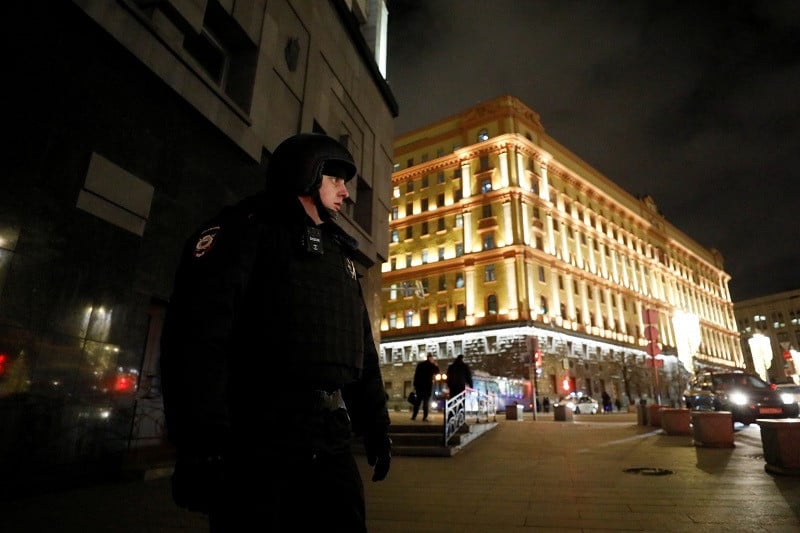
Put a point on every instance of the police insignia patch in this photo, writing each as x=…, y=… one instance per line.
x=206, y=241
x=351, y=268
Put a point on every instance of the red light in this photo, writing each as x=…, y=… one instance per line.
x=124, y=383
x=565, y=384
x=3, y=363
x=787, y=355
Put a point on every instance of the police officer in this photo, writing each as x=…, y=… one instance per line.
x=268, y=361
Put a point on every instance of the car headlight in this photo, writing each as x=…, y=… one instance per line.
x=787, y=397
x=738, y=398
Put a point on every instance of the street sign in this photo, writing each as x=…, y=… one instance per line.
x=649, y=316
x=651, y=333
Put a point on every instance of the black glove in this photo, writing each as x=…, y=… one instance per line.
x=379, y=454
x=198, y=482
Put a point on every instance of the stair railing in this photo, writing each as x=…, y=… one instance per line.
x=467, y=403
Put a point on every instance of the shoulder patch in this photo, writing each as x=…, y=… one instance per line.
x=206, y=241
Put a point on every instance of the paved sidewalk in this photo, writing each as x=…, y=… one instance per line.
x=522, y=476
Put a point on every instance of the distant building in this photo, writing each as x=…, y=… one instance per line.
x=770, y=329
x=502, y=241
x=132, y=122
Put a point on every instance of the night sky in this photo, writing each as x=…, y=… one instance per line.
x=695, y=103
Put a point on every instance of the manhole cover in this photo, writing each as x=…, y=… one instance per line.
x=648, y=471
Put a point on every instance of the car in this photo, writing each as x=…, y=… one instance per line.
x=746, y=396
x=579, y=404
x=789, y=391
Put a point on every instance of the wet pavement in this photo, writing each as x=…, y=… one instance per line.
x=595, y=473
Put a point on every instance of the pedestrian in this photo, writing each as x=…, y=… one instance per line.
x=267, y=311
x=423, y=384
x=606, y=402
x=459, y=376
x=546, y=404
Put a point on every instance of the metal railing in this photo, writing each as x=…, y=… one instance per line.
x=469, y=403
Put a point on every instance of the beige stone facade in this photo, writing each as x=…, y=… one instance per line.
x=501, y=238
x=771, y=322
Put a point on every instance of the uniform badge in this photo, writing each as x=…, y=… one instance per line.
x=351, y=268
x=206, y=241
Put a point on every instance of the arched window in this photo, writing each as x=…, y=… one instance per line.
x=491, y=304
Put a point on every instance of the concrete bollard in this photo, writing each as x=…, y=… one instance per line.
x=712, y=429
x=675, y=421
x=780, y=440
x=654, y=415
x=562, y=413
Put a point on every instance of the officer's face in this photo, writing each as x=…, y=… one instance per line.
x=332, y=192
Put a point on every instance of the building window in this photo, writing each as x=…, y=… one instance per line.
x=483, y=135
x=393, y=291
x=440, y=224
x=459, y=220
x=407, y=288
x=459, y=280
x=560, y=282
x=409, y=162
x=393, y=263
x=488, y=241
x=459, y=249
x=424, y=257
x=410, y=232
x=394, y=213
x=408, y=318
x=440, y=200
x=424, y=228
x=392, y=320
x=423, y=316
x=441, y=253
x=457, y=195
x=563, y=311
x=543, y=305
x=484, y=162
x=458, y=348
x=395, y=236
x=542, y=277
x=424, y=181
x=457, y=173
x=408, y=260
x=409, y=209
x=461, y=312
x=489, y=274
x=423, y=205
x=491, y=304
x=442, y=282
x=440, y=177
x=441, y=314
x=486, y=211
x=486, y=185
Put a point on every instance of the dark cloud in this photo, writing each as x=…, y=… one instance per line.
x=694, y=103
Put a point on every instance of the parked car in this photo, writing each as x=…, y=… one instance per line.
x=579, y=404
x=790, y=392
x=746, y=396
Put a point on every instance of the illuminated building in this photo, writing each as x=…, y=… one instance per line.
x=770, y=329
x=499, y=235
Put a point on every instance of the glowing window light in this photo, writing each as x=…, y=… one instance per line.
x=762, y=354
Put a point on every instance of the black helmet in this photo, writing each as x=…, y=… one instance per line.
x=297, y=164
